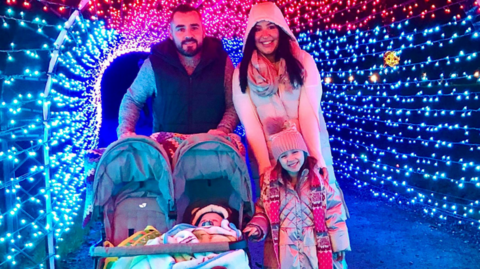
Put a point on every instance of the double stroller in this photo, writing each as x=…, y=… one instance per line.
x=138, y=182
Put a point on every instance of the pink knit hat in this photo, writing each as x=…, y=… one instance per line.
x=288, y=138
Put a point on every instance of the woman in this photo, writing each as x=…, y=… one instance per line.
x=278, y=79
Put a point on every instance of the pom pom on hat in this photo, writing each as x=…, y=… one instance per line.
x=275, y=125
x=284, y=137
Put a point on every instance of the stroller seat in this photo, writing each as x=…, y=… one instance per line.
x=133, y=188
x=133, y=215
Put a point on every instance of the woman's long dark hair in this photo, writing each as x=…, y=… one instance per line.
x=284, y=50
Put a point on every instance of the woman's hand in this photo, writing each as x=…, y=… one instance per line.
x=252, y=231
x=324, y=172
x=339, y=256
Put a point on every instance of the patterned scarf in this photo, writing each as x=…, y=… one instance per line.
x=264, y=79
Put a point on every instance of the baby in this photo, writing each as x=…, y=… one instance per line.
x=210, y=215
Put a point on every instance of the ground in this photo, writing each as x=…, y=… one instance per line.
x=382, y=235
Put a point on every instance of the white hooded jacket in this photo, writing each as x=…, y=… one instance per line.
x=301, y=106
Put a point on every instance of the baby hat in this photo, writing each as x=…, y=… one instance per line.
x=198, y=212
x=284, y=137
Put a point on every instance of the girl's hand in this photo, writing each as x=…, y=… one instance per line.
x=324, y=173
x=252, y=231
x=339, y=256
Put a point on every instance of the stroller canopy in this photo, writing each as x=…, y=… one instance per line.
x=210, y=169
x=134, y=166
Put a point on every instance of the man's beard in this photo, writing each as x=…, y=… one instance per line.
x=191, y=52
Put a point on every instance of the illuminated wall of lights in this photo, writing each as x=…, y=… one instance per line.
x=405, y=132
x=74, y=125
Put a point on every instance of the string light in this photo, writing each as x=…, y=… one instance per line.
x=23, y=21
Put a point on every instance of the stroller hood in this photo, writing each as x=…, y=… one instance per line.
x=210, y=168
x=134, y=166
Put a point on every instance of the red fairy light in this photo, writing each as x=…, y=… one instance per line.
x=228, y=19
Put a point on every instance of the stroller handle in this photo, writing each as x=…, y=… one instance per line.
x=167, y=249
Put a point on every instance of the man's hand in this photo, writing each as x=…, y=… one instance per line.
x=127, y=134
x=339, y=256
x=219, y=131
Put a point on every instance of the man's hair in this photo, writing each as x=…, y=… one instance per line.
x=184, y=9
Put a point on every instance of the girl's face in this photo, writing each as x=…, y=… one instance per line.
x=266, y=38
x=292, y=161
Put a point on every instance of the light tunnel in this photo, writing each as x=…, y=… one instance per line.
x=401, y=86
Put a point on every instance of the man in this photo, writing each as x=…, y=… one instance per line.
x=189, y=77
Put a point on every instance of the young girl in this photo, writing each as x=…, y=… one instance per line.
x=298, y=213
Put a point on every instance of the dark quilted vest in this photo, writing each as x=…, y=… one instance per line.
x=188, y=104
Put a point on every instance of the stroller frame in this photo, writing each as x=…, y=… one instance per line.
x=97, y=251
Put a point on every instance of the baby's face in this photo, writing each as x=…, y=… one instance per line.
x=210, y=219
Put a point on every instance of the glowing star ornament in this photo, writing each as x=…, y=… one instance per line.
x=391, y=59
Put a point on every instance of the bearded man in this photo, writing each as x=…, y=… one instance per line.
x=189, y=77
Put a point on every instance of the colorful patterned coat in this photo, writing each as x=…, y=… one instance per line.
x=302, y=225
